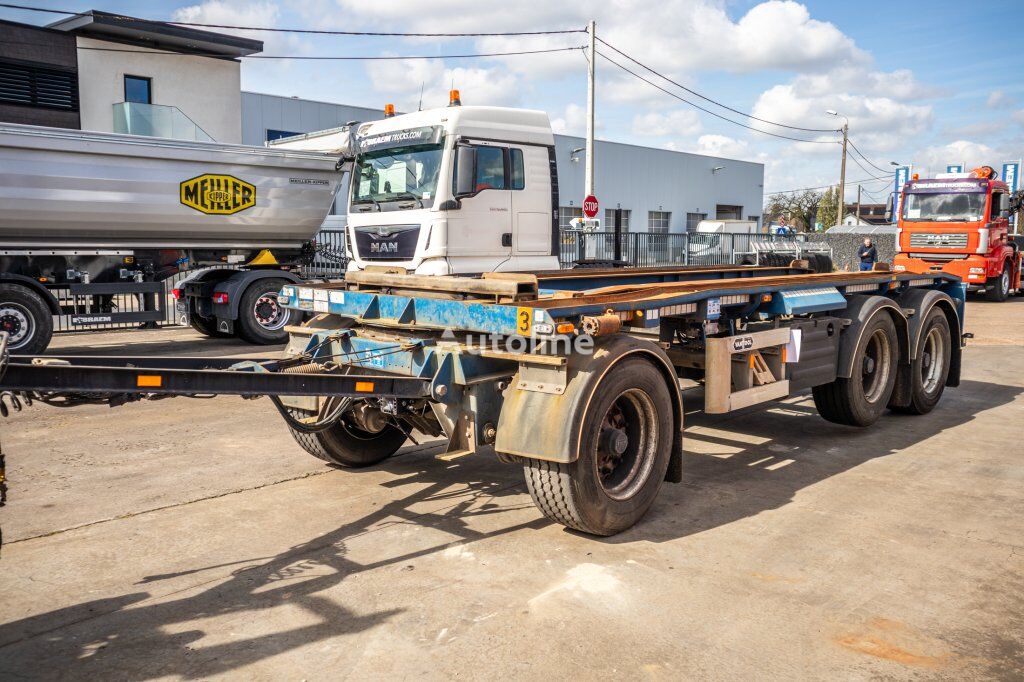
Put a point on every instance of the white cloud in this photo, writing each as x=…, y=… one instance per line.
x=244, y=13
x=721, y=145
x=973, y=154
x=998, y=99
x=401, y=80
x=572, y=122
x=659, y=124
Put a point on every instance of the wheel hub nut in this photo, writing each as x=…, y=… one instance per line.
x=614, y=441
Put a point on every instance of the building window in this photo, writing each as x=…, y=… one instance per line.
x=566, y=214
x=278, y=134
x=38, y=86
x=609, y=219
x=658, y=221
x=138, y=89
x=693, y=219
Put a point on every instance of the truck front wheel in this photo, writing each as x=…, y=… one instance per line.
x=860, y=400
x=625, y=447
x=261, y=319
x=997, y=289
x=26, y=318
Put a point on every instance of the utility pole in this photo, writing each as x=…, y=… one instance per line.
x=842, y=173
x=858, y=204
x=588, y=183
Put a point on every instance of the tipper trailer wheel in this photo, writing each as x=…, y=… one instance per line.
x=26, y=318
x=347, y=445
x=625, y=447
x=997, y=289
x=930, y=368
x=860, y=400
x=261, y=319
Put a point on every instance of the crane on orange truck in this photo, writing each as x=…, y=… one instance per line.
x=958, y=223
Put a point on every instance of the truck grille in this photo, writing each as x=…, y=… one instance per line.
x=387, y=242
x=939, y=241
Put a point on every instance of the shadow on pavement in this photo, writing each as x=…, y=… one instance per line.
x=127, y=636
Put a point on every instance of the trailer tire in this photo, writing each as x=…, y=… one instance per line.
x=930, y=367
x=348, y=446
x=601, y=492
x=860, y=400
x=997, y=289
x=261, y=320
x=27, y=319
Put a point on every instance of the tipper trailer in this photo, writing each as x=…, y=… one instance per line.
x=573, y=375
x=92, y=223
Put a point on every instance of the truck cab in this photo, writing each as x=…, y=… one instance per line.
x=958, y=223
x=452, y=190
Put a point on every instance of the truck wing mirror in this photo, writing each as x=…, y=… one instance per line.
x=465, y=171
x=888, y=209
x=1004, y=205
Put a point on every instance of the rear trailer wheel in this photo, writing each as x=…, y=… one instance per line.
x=261, y=319
x=26, y=318
x=625, y=446
x=347, y=445
x=930, y=367
x=997, y=289
x=860, y=400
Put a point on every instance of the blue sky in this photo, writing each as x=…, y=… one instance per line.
x=927, y=83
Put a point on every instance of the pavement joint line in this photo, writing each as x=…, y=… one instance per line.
x=130, y=515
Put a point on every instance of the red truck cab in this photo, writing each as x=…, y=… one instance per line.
x=958, y=223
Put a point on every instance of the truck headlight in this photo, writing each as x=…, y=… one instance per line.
x=977, y=271
x=900, y=268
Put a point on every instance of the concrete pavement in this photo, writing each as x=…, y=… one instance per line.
x=189, y=539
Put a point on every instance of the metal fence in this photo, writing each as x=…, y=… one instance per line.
x=641, y=249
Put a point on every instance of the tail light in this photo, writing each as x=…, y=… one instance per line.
x=220, y=297
x=176, y=293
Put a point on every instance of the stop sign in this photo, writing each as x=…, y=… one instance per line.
x=590, y=206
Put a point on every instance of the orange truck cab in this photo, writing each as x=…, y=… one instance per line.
x=958, y=223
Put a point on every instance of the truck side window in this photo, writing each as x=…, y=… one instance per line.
x=993, y=213
x=518, y=169
x=490, y=168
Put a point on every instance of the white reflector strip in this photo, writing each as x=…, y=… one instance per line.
x=853, y=288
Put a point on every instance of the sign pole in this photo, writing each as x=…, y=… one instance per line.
x=588, y=184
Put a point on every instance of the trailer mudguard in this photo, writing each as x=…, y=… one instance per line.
x=859, y=310
x=29, y=283
x=548, y=426
x=921, y=302
x=235, y=285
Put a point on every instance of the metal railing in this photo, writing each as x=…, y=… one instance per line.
x=640, y=249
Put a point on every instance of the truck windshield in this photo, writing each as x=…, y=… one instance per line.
x=944, y=207
x=398, y=174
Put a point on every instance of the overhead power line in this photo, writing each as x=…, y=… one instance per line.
x=301, y=30
x=869, y=162
x=342, y=58
x=864, y=168
x=708, y=111
x=851, y=183
x=708, y=99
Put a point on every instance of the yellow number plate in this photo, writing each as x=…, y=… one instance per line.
x=523, y=318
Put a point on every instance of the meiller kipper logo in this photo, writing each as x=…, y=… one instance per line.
x=217, y=194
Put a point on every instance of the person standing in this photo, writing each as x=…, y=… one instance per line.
x=868, y=255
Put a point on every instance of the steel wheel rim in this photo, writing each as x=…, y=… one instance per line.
x=268, y=313
x=622, y=474
x=876, y=365
x=17, y=322
x=933, y=360
x=1004, y=282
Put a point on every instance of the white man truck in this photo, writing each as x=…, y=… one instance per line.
x=445, y=191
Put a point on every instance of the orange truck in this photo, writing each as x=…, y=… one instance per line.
x=958, y=223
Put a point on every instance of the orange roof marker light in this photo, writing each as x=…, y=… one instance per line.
x=389, y=110
x=454, y=100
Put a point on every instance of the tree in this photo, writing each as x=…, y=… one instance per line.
x=797, y=208
x=828, y=209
